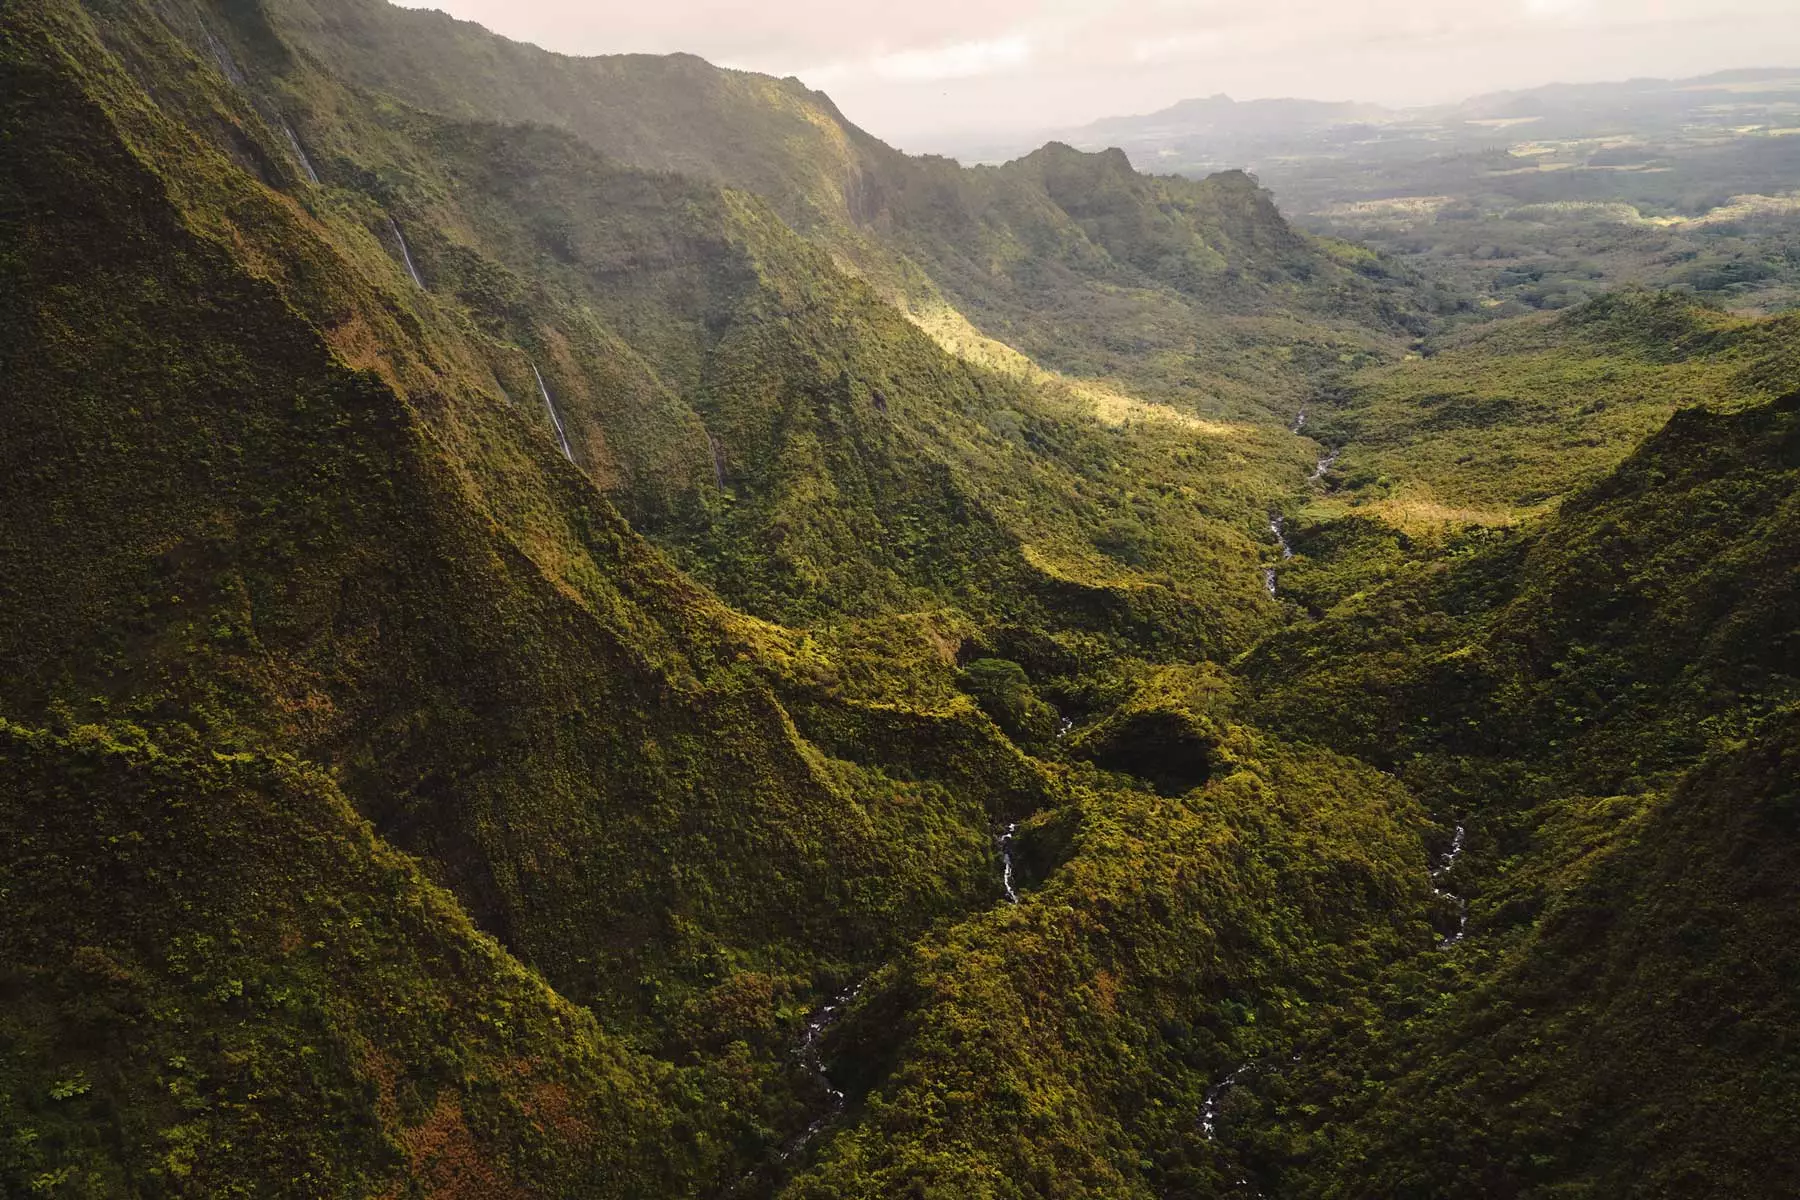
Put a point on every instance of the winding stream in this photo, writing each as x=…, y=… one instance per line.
x=1277, y=524
x=808, y=1053
x=405, y=254
x=1462, y=906
x=562, y=439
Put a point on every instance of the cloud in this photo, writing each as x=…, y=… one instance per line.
x=909, y=70
x=1178, y=46
x=958, y=61
x=1553, y=9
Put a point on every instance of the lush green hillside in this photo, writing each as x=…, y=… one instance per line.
x=502, y=622
x=219, y=982
x=1500, y=424
x=720, y=376
x=1606, y=702
x=1167, y=289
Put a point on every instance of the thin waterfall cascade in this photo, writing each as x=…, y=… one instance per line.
x=405, y=254
x=227, y=64
x=1209, y=1109
x=300, y=152
x=1325, y=464
x=562, y=439
x=1278, y=527
x=1300, y=419
x=1443, y=868
x=1006, y=862
x=718, y=459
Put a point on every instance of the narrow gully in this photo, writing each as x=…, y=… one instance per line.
x=1278, y=527
x=1277, y=524
x=718, y=459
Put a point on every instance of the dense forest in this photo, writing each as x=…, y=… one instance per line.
x=583, y=627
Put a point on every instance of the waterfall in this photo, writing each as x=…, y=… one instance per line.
x=299, y=153
x=811, y=1057
x=1300, y=419
x=1325, y=464
x=227, y=65
x=718, y=459
x=1462, y=906
x=1278, y=527
x=405, y=254
x=562, y=439
x=1006, y=862
x=1209, y=1111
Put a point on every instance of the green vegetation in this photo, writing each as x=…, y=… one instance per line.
x=507, y=619
x=1498, y=424
x=1607, y=700
x=1522, y=201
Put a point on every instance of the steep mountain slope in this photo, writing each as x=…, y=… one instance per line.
x=286, y=555
x=714, y=371
x=1074, y=254
x=222, y=984
x=1606, y=702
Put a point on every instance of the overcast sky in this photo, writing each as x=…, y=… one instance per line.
x=917, y=71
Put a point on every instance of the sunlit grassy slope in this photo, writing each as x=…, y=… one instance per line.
x=1503, y=423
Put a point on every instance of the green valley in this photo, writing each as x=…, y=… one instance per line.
x=584, y=627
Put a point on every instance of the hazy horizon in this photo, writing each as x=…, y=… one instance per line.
x=934, y=72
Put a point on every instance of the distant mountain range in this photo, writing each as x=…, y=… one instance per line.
x=1213, y=132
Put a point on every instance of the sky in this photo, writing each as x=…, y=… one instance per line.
x=925, y=74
